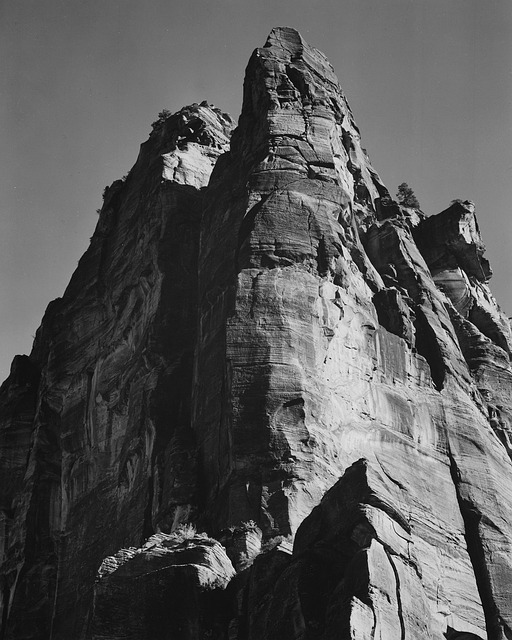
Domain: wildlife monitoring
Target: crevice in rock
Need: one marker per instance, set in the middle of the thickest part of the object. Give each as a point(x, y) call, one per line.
point(428, 347)
point(294, 402)
point(88, 403)
point(374, 626)
point(322, 258)
point(452, 634)
point(398, 595)
point(147, 529)
point(376, 502)
point(472, 517)
point(6, 595)
point(298, 80)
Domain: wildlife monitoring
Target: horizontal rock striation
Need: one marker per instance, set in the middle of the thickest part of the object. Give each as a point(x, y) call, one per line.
point(261, 342)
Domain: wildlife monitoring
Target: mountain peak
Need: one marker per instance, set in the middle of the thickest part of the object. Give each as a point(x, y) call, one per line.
point(263, 365)
point(287, 38)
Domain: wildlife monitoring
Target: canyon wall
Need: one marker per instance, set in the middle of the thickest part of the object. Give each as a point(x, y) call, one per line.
point(262, 345)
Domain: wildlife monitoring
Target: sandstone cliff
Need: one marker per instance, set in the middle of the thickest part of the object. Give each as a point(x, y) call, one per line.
point(261, 343)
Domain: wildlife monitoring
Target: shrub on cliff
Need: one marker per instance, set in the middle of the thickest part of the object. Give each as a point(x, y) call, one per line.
point(405, 196)
point(162, 117)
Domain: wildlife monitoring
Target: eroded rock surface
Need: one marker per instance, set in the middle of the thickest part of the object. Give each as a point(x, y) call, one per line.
point(102, 452)
point(172, 587)
point(275, 352)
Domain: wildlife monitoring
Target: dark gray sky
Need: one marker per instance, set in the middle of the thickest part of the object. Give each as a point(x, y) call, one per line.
point(429, 82)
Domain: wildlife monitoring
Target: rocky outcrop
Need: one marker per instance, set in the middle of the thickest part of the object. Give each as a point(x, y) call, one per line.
point(279, 353)
point(168, 588)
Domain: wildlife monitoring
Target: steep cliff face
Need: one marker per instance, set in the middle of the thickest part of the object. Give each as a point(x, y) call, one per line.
point(279, 353)
point(107, 454)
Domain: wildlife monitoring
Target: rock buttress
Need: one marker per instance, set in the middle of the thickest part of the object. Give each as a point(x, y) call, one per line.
point(107, 455)
point(326, 336)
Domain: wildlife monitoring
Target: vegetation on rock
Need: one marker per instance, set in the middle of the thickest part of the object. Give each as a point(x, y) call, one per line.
point(406, 197)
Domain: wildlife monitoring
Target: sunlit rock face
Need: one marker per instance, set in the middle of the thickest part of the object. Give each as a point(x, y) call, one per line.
point(283, 356)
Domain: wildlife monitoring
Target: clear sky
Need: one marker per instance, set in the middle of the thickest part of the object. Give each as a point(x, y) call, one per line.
point(429, 82)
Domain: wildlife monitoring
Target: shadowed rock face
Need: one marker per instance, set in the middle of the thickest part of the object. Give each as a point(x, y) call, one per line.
point(277, 352)
point(168, 588)
point(102, 452)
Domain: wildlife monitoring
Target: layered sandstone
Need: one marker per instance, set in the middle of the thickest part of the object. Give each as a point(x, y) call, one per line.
point(102, 453)
point(283, 356)
point(168, 588)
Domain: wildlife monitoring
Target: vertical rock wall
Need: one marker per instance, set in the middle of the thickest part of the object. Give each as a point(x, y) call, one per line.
point(104, 453)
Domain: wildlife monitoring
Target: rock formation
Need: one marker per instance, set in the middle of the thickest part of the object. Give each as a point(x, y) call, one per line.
point(261, 344)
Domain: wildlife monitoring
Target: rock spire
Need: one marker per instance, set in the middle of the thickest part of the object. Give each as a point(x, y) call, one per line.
point(262, 345)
